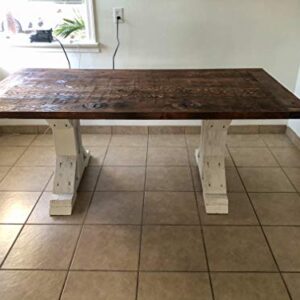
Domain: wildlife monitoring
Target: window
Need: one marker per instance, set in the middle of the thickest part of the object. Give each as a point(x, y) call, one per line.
point(72, 21)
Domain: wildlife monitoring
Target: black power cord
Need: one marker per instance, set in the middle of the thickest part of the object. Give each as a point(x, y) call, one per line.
point(63, 48)
point(118, 45)
point(46, 36)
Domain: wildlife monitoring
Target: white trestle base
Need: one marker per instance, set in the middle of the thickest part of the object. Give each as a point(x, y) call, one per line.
point(211, 163)
point(71, 160)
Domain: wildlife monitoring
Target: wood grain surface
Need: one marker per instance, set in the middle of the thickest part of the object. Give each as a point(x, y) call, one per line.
point(145, 94)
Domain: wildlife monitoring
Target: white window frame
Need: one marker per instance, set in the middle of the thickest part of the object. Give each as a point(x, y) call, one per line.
point(91, 20)
point(91, 46)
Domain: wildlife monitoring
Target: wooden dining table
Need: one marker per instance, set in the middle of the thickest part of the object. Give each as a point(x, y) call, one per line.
point(63, 97)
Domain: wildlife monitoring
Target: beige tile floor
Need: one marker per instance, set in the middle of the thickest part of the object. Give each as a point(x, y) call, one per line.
point(139, 230)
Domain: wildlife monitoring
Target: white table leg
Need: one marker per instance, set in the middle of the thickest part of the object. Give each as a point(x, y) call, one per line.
point(71, 160)
point(211, 162)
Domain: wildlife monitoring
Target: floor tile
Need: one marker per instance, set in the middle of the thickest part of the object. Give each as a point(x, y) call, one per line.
point(100, 285)
point(248, 286)
point(28, 179)
point(277, 208)
point(285, 244)
point(174, 286)
point(129, 140)
point(170, 208)
point(49, 187)
point(96, 140)
point(287, 157)
point(169, 179)
point(116, 208)
point(240, 212)
point(29, 285)
point(40, 214)
point(253, 157)
point(16, 139)
point(43, 247)
point(167, 140)
point(193, 140)
point(121, 179)
point(232, 248)
point(196, 178)
point(38, 156)
point(245, 140)
point(276, 140)
point(126, 156)
point(168, 247)
point(108, 247)
point(9, 155)
point(293, 283)
point(43, 140)
point(89, 179)
point(172, 248)
point(15, 207)
point(3, 172)
point(294, 176)
point(97, 155)
point(233, 180)
point(8, 234)
point(228, 159)
point(265, 180)
point(160, 156)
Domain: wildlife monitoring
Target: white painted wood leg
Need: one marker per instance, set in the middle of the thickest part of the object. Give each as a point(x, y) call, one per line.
point(211, 163)
point(71, 160)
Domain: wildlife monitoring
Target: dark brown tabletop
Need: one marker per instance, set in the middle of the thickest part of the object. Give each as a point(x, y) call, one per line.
point(145, 94)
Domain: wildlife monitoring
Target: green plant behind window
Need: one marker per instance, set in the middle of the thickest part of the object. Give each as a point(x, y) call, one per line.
point(69, 27)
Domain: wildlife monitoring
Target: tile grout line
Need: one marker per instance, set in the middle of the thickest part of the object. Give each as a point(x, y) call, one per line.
point(82, 224)
point(148, 225)
point(288, 178)
point(142, 225)
point(282, 169)
point(269, 148)
point(262, 230)
point(15, 163)
point(36, 135)
point(201, 226)
point(24, 223)
point(29, 215)
point(149, 271)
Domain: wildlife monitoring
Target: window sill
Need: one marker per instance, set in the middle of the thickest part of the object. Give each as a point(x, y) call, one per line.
point(90, 47)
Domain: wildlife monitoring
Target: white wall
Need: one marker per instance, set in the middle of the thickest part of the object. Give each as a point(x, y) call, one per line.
point(189, 34)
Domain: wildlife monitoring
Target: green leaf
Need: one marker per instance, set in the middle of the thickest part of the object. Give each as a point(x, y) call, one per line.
point(69, 26)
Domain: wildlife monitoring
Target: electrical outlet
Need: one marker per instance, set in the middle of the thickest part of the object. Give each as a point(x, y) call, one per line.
point(118, 12)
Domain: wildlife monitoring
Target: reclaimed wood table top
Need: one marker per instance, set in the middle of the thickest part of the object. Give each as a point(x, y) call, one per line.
point(145, 94)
